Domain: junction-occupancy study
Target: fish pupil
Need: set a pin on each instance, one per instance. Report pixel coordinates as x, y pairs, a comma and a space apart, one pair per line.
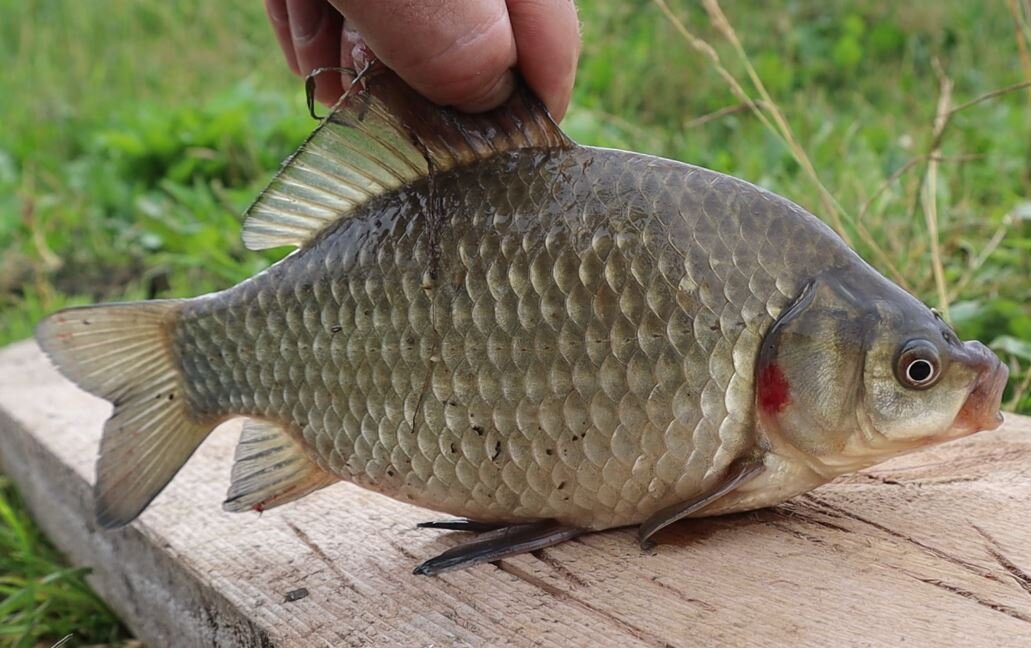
919, 371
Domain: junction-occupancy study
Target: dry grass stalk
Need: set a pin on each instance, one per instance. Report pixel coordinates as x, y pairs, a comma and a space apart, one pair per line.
930, 201
1022, 33
778, 126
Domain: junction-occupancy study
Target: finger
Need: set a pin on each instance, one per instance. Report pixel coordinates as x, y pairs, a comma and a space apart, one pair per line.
315, 33
280, 22
547, 36
454, 53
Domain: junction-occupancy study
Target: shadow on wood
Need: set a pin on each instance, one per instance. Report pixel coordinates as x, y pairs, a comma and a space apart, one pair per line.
929, 549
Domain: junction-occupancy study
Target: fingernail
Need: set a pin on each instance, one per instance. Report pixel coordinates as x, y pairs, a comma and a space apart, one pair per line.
306, 18
357, 51
494, 96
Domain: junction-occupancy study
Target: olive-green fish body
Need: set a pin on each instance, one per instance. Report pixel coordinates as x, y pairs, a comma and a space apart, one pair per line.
566, 335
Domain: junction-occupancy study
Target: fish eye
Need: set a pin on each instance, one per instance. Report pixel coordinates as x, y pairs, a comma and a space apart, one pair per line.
917, 366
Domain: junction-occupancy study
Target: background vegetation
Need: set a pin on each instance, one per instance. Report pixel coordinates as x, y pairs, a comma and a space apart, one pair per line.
134, 134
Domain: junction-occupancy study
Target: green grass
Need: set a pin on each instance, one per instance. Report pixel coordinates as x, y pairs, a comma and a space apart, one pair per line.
40, 597
132, 137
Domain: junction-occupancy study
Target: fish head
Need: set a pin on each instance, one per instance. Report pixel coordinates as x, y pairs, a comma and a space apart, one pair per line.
923, 385
857, 370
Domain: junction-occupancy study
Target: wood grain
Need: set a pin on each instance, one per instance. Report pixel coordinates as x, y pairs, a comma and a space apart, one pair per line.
930, 549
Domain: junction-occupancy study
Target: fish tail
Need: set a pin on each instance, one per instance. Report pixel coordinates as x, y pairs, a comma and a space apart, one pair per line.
124, 353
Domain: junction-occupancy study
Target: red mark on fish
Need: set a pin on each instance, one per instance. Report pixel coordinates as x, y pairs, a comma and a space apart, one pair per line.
774, 391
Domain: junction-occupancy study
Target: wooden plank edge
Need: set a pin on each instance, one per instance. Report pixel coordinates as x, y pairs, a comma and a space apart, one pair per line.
161, 603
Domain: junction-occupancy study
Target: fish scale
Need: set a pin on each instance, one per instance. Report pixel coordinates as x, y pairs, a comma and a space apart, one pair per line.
485, 319
532, 360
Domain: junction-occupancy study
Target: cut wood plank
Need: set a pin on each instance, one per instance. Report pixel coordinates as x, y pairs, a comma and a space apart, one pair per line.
929, 549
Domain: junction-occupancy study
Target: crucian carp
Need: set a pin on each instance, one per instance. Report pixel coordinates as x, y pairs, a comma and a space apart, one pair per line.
486, 319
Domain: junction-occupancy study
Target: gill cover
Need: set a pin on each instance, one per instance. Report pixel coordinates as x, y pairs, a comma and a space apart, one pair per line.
809, 373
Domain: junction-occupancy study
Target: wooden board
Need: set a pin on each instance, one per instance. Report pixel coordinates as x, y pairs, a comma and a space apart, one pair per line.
930, 549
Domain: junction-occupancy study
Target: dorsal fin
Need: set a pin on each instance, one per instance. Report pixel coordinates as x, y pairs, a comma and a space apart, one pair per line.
380, 136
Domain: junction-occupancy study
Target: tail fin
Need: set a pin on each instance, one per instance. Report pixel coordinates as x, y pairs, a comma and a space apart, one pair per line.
123, 352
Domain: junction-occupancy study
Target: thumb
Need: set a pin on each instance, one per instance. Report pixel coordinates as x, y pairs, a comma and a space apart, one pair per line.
454, 53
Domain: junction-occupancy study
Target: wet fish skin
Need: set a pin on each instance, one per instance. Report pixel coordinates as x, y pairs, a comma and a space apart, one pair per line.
575, 339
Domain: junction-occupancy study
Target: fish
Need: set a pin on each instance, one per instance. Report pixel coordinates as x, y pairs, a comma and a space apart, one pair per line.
483, 318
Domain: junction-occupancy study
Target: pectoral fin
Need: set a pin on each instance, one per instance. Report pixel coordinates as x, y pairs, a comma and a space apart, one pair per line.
739, 472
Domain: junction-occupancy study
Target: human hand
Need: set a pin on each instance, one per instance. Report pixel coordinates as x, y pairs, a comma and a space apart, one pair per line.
454, 52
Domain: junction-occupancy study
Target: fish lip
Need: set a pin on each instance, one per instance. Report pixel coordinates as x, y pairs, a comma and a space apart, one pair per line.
981, 411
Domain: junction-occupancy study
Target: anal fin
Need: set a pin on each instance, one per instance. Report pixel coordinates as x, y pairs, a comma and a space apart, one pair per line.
271, 469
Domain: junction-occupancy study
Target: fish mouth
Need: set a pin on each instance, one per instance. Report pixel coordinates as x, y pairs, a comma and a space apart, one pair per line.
981, 409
